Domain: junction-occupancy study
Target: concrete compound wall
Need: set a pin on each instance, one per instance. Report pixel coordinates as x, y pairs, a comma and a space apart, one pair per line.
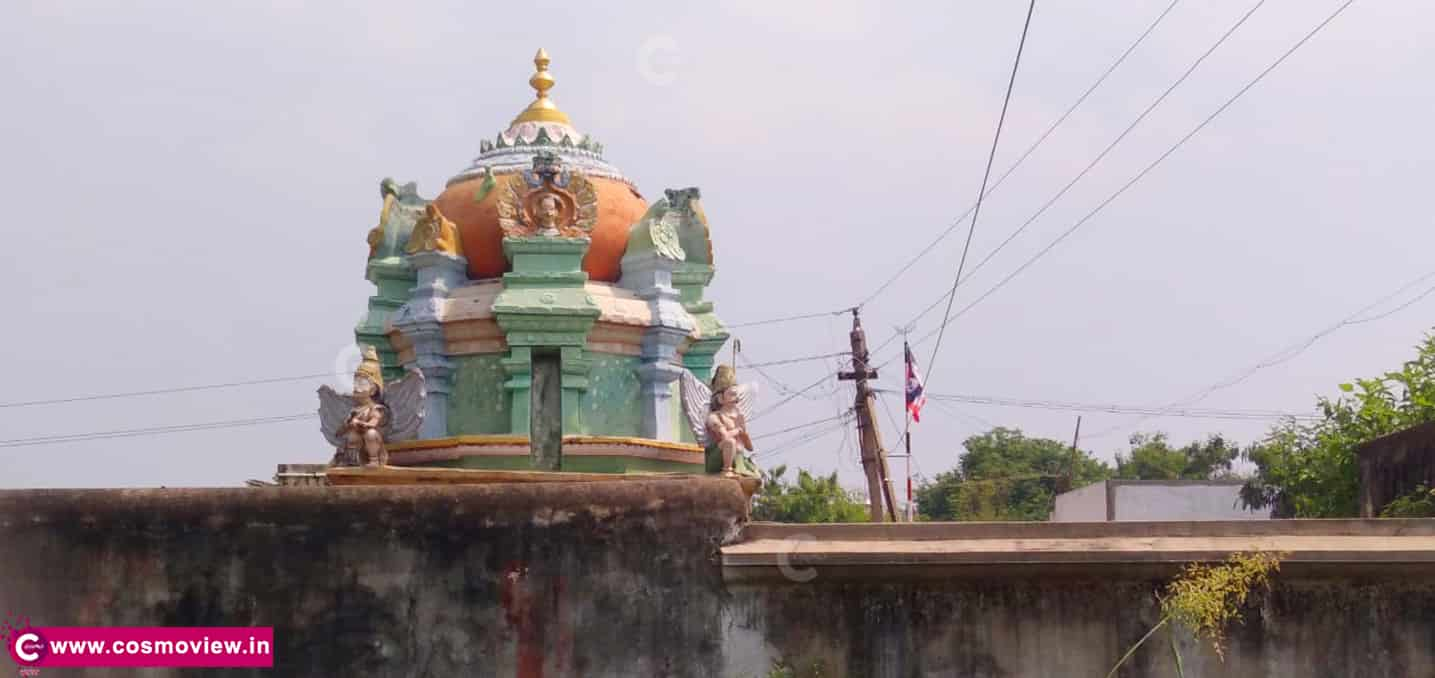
1173, 500
1352, 598
627, 579
1143, 500
602, 579
1076, 627
1084, 504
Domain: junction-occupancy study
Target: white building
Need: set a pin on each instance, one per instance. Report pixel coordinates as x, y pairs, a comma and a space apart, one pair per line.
1128, 500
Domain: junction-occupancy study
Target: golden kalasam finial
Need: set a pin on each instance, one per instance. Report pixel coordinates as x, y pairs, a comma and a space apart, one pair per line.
542, 109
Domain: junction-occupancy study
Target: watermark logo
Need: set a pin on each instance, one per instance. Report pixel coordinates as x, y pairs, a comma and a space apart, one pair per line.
346, 361
27, 646
792, 546
659, 60
151, 646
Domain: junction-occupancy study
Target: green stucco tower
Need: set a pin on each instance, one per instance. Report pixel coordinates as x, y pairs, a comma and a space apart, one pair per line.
551, 309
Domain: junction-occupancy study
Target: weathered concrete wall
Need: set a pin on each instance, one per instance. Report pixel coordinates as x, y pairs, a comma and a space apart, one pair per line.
626, 579
1003, 627
602, 579
1179, 500
1395, 465
1353, 598
1084, 504
1145, 500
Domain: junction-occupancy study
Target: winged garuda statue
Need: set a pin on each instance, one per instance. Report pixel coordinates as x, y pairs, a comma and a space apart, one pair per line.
359, 426
718, 417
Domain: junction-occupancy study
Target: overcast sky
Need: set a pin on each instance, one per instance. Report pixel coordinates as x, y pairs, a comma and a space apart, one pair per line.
190, 185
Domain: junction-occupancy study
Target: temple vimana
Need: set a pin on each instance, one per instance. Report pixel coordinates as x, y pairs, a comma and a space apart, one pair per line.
540, 314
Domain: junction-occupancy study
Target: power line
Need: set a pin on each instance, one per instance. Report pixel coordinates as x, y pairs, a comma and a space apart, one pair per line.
991, 158
1119, 138
1290, 352
1025, 154
1085, 170
154, 430
1016, 478
790, 361
952, 409
795, 394
160, 391
1088, 168
886, 408
1198, 413
809, 424
1395, 310
1145, 171
256, 421
788, 446
1010, 170
790, 318
846, 452
1021, 159
782, 386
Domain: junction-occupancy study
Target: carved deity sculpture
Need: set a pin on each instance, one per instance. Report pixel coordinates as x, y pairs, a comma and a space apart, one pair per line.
549, 212
549, 200
718, 417
433, 232
361, 424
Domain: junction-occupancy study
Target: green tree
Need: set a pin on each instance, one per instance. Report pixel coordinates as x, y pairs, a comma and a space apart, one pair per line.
1419, 503
1153, 458
1310, 470
811, 499
934, 497
1005, 475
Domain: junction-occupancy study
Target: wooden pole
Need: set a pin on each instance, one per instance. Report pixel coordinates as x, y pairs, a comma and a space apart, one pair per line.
889, 494
1071, 468
874, 458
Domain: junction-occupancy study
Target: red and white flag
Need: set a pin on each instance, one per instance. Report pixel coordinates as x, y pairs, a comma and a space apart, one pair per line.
916, 392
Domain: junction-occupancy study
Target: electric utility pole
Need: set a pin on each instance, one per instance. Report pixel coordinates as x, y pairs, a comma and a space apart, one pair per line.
874, 458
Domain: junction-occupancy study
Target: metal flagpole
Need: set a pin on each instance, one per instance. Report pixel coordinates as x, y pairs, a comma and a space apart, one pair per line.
907, 425
908, 435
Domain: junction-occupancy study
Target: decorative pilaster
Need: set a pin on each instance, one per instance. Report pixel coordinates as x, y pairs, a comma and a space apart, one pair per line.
691, 279
668, 263
393, 278
544, 306
388, 271
420, 321
700, 356
648, 272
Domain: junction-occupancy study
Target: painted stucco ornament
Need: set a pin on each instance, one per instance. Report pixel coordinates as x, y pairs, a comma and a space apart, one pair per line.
691, 223
674, 228
360, 425
688, 201
548, 200
433, 232
486, 186
663, 223
402, 207
718, 417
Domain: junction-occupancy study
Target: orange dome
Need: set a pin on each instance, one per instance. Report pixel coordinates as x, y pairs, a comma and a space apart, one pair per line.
539, 128
619, 207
